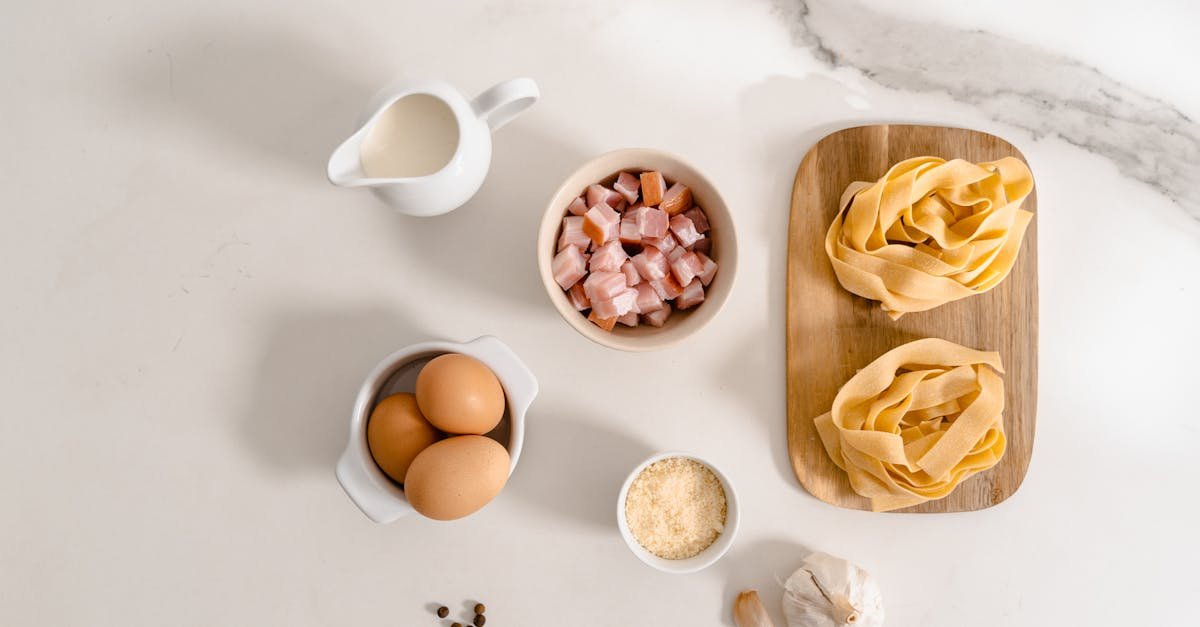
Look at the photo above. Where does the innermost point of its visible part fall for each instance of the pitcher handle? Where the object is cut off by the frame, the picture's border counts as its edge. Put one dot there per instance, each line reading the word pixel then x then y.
pixel 505 101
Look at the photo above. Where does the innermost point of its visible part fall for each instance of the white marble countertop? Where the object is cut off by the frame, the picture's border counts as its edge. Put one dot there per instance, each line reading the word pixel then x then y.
pixel 188 307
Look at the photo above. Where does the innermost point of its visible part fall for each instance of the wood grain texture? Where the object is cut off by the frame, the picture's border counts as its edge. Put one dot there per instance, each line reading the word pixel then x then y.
pixel 831 333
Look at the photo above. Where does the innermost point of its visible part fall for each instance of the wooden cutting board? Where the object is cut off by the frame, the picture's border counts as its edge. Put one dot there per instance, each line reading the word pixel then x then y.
pixel 832 333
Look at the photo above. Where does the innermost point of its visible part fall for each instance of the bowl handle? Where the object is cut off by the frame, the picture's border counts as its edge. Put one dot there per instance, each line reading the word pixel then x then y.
pixel 504 101
pixel 363 489
pixel 518 379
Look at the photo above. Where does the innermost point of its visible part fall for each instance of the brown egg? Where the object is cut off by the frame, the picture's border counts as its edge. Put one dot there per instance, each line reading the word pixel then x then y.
pixel 456 476
pixel 396 432
pixel 459 394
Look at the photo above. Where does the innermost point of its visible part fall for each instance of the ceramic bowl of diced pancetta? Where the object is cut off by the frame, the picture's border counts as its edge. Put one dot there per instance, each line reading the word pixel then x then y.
pixel 637 250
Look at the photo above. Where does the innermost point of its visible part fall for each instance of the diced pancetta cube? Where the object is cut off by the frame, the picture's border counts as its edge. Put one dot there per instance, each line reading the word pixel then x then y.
pixel 658 317
pixel 667 287
pixel 684 230
pixel 698 218
pixel 578 297
pixel 572 233
pixel 608 258
pixel 630 319
pixel 648 300
pixel 632 277
pixel 677 199
pixel 577 207
pixel 653 187
pixel 616 306
pixel 687 267
pixel 708 269
pixel 597 194
pixel 703 246
pixel 627 185
pixel 675 253
pixel 651 264
pixel 604 323
pixel 621 206
pixel 568 267
pixel 628 232
pixel 601 224
pixel 665 243
pixel 601 286
pixel 651 222
pixel 692 295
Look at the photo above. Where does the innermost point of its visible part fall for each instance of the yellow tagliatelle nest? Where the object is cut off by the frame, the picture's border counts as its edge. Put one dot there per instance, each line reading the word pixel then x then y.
pixel 930 231
pixel 916 422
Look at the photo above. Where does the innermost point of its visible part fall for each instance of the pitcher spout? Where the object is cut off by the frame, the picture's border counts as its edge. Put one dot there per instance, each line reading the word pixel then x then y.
pixel 345 167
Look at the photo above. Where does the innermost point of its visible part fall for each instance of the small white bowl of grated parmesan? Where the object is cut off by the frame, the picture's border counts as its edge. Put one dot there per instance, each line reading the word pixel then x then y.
pixel 677 512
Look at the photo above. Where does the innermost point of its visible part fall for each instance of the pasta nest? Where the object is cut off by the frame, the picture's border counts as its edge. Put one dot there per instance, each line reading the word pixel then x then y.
pixel 930 231
pixel 916 422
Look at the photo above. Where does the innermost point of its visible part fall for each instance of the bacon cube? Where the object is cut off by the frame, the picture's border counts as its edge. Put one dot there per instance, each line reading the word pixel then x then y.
pixel 630 319
pixel 627 185
pixel 617 306
pixel 651 264
pixel 708 269
pixel 601 224
pixel 578 297
pixel 703 246
pixel 608 258
pixel 677 199
pixel 597 194
pixel 568 267
pixel 692 295
pixel 648 300
pixel 667 287
pixel 675 253
pixel 628 233
pixel 604 286
pixel 687 267
pixel 651 222
pixel 572 233
pixel 658 317
pixel 684 230
pixel 698 218
pixel 604 323
pixel 577 207
pixel 665 243
pixel 632 277
pixel 652 187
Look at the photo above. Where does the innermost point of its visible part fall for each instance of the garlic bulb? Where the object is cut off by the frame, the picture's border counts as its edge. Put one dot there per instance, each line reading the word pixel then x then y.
pixel 830 592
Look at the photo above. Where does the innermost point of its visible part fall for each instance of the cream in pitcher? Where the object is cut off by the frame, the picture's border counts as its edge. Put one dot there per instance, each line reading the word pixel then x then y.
pixel 415 136
pixel 425 149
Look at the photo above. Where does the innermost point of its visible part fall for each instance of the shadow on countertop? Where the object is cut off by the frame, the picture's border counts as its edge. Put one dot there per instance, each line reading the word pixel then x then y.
pixel 573 465
pixel 310 367
pixel 763 566
pixel 280 99
pixel 489 245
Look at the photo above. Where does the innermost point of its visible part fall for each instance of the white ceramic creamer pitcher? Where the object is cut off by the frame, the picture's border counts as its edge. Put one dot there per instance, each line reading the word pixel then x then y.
pixel 439 124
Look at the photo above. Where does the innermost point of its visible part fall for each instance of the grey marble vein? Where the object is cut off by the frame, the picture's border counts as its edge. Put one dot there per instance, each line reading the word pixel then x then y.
pixel 1018 84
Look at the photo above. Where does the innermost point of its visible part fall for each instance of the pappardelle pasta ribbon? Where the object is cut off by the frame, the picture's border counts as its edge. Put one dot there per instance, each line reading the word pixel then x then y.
pixel 916 422
pixel 930 231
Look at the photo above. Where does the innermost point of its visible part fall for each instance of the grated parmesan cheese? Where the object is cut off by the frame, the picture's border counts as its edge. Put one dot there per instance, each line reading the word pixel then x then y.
pixel 675 508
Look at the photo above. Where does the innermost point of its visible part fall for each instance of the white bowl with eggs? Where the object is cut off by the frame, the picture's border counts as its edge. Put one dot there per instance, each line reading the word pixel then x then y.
pixel 706 557
pixel 378 496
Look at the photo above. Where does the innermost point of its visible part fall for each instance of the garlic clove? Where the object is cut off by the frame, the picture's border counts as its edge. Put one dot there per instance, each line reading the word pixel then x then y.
pixel 748 611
